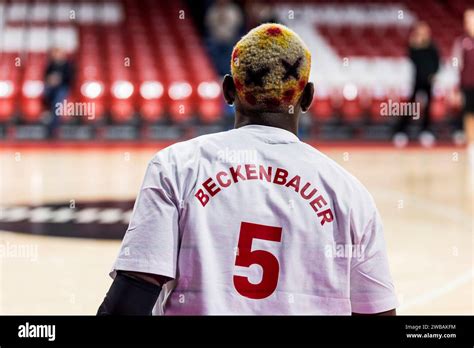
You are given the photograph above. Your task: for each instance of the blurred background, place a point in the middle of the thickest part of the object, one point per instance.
(152, 69)
(90, 90)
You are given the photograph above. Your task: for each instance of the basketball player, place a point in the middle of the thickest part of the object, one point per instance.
(253, 220)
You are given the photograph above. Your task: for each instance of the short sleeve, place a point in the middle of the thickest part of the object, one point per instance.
(371, 286)
(150, 244)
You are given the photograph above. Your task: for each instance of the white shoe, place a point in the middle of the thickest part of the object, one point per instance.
(400, 140)
(427, 139)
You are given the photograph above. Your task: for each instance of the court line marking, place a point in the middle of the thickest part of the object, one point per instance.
(450, 213)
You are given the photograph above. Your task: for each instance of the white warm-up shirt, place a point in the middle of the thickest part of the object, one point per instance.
(254, 221)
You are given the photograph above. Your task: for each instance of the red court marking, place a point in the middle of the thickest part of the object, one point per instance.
(8, 146)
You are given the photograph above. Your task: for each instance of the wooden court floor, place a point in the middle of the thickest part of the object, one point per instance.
(425, 198)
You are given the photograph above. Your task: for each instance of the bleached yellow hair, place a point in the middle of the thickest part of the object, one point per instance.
(270, 67)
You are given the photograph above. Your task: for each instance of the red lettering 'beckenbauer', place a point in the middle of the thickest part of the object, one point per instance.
(278, 176)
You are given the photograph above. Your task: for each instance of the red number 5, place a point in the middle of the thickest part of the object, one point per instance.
(246, 257)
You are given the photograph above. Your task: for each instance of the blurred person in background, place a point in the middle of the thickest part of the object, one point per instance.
(465, 52)
(425, 58)
(259, 12)
(58, 78)
(224, 23)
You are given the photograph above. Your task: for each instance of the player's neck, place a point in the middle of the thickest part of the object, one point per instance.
(283, 121)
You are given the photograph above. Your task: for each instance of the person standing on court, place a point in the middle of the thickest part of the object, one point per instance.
(423, 53)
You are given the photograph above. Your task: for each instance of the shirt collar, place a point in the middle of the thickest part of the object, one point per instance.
(271, 135)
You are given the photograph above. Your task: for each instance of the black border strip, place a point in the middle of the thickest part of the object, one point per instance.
(243, 330)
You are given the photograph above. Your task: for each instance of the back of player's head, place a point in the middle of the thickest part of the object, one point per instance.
(270, 68)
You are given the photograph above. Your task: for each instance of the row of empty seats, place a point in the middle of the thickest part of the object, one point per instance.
(353, 31)
(351, 105)
(146, 58)
(151, 61)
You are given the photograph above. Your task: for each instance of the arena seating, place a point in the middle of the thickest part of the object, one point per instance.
(360, 48)
(132, 57)
(143, 61)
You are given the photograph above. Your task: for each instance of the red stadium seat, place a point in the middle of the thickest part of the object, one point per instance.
(31, 109)
(376, 104)
(7, 109)
(93, 91)
(210, 110)
(351, 107)
(122, 111)
(322, 108)
(152, 110)
(180, 111)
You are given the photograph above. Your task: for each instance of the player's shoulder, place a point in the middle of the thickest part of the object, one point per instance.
(189, 150)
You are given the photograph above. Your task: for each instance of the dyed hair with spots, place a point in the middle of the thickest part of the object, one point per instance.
(270, 67)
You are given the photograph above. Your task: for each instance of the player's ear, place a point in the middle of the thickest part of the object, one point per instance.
(307, 96)
(228, 88)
